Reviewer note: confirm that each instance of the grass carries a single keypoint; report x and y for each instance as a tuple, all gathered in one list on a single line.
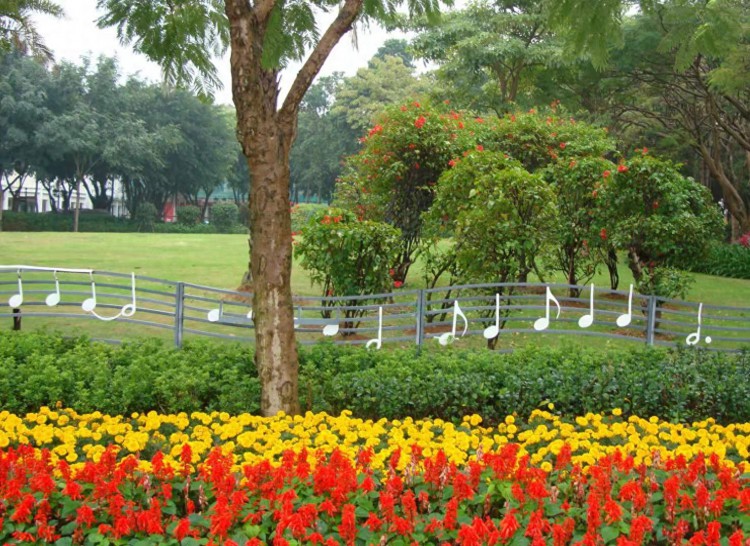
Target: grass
[(220, 261)]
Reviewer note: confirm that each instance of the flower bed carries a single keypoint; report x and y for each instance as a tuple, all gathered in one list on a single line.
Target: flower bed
[(498, 498), (218, 479), (77, 437)]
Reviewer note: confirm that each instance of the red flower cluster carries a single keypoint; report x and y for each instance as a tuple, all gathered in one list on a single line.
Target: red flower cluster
[(331, 219), (498, 499), (419, 122)]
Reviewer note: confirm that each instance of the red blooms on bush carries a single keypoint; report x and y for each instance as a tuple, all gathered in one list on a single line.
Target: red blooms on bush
[(344, 502), (419, 122), (622, 168)]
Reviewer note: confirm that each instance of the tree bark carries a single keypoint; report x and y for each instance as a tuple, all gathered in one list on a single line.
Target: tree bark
[(77, 209), (266, 135)]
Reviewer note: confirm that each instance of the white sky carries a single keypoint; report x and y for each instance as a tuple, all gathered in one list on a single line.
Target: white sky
[(77, 35)]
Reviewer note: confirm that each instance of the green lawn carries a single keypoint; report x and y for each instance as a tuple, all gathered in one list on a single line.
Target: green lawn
[(220, 261)]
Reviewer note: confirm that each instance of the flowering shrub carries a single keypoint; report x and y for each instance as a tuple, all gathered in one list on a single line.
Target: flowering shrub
[(658, 216), (347, 256), (76, 438), (393, 177), (498, 498)]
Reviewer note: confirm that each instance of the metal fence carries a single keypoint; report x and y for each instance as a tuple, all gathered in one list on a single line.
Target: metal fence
[(114, 306)]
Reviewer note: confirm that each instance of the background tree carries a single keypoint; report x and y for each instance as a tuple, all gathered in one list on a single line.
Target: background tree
[(324, 138), (263, 36), (17, 29), (22, 110), (490, 53), (384, 82), (658, 217)]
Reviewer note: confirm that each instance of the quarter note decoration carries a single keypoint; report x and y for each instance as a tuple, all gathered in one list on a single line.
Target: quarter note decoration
[(587, 320), (54, 298), (378, 341), (214, 315), (695, 337), (449, 337), (493, 331), (331, 327), (623, 320), (16, 300), (543, 323), (89, 304)]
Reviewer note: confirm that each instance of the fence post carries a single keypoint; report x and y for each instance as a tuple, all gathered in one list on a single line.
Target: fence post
[(179, 309), (420, 320), (650, 320)]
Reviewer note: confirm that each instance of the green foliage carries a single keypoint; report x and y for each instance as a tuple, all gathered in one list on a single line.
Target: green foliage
[(346, 256), (540, 139), (578, 247), (145, 217), (658, 216), (302, 212), (723, 260), (501, 216), (225, 217), (188, 215), (393, 177), (89, 221), (681, 385)]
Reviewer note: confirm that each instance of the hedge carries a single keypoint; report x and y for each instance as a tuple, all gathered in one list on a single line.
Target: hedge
[(39, 369)]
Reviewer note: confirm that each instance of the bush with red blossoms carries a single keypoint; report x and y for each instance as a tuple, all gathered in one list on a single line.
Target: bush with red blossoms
[(498, 499)]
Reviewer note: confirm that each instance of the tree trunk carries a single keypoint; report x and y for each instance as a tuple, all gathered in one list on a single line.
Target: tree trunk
[(271, 269), (2, 203), (77, 209)]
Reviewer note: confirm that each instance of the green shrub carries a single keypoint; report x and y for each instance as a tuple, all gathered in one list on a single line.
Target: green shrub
[(225, 216), (188, 215), (681, 385), (302, 213), (89, 221), (723, 260), (145, 217)]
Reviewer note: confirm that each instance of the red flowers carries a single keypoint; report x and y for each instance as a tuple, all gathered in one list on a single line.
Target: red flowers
[(346, 502), (419, 122), (621, 168), (606, 174), (603, 234), (398, 284), (375, 130), (562, 145)]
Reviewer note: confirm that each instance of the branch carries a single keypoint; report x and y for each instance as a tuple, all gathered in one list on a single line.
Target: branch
[(340, 26)]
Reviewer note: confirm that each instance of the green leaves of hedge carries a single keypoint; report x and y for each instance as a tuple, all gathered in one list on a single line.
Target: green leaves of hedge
[(683, 385)]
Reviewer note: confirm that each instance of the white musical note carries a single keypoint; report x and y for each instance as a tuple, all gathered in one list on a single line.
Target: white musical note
[(624, 320), (16, 300), (332, 326), (543, 323), (89, 304), (214, 315), (250, 315), (493, 331), (54, 298), (587, 320), (449, 337), (127, 310), (378, 342), (695, 337)]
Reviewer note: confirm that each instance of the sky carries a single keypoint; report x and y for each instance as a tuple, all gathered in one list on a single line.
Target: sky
[(76, 36)]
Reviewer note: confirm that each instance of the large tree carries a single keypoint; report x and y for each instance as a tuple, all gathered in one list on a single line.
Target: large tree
[(264, 35), (17, 28)]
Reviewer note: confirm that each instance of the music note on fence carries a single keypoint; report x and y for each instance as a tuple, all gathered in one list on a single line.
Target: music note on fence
[(587, 320), (378, 341), (493, 331), (215, 315), (16, 300), (89, 304), (542, 323), (127, 310), (624, 320), (449, 337), (54, 298), (331, 327), (695, 337)]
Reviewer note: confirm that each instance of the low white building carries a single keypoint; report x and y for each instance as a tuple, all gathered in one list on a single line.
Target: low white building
[(33, 197)]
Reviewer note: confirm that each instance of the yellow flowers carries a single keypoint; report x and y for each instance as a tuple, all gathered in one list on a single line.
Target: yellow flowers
[(77, 437)]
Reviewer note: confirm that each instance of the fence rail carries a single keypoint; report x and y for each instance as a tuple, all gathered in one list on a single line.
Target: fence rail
[(48, 297)]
